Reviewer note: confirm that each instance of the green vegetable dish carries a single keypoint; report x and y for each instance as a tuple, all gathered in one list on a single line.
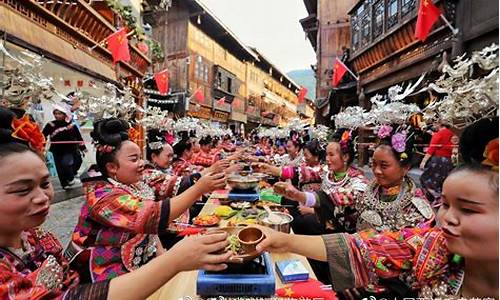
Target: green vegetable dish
[(234, 244)]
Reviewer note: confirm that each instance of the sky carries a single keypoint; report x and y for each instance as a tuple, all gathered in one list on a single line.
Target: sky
[(272, 26)]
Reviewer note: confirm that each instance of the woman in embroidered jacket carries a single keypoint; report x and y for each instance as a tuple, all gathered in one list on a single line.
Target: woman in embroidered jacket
[(459, 258), (118, 225), (178, 176), (205, 157), (31, 262), (335, 203), (392, 200), (308, 175)]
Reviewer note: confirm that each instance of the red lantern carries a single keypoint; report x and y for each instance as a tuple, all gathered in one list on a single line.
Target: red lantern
[(143, 47)]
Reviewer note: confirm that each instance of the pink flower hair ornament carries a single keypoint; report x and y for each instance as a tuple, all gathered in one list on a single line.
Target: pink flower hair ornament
[(105, 148), (384, 131), (398, 142)]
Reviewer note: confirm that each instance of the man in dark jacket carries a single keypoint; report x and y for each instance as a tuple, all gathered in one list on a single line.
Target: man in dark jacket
[(66, 144)]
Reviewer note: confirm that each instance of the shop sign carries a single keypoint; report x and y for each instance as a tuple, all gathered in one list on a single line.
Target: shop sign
[(237, 116), (220, 116), (202, 112), (267, 121), (253, 118)]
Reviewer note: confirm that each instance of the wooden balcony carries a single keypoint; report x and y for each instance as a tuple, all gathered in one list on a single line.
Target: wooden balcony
[(76, 22), (383, 37)]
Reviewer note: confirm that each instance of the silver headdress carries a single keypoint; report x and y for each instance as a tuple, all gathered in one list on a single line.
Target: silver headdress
[(467, 99), (110, 104), (156, 118)]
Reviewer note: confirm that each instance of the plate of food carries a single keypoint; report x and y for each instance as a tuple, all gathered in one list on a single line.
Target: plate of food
[(260, 176), (206, 220), (271, 205), (240, 205), (251, 213)]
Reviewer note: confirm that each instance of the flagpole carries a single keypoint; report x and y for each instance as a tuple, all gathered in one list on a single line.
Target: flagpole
[(191, 97), (349, 70), (102, 43), (453, 29)]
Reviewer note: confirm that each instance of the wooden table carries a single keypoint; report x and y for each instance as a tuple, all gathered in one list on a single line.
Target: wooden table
[(183, 285)]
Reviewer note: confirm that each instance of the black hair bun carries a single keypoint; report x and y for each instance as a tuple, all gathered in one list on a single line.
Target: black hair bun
[(206, 140), (475, 137), (6, 116), (155, 135), (111, 131)]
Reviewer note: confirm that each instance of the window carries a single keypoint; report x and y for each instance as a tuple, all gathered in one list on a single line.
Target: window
[(219, 80), (365, 27), (229, 85), (205, 75), (201, 69), (407, 6), (392, 13), (378, 18), (355, 32)]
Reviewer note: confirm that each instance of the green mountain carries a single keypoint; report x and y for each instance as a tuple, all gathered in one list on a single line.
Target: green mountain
[(305, 78)]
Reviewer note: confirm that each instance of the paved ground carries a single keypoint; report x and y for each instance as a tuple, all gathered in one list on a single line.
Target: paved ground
[(63, 217)]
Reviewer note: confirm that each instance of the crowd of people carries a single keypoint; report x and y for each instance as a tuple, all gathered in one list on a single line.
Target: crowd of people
[(381, 237)]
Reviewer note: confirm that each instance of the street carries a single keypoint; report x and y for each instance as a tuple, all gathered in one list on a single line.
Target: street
[(62, 218)]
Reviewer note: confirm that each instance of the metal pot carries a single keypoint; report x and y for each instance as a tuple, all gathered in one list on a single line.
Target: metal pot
[(242, 182), (284, 226)]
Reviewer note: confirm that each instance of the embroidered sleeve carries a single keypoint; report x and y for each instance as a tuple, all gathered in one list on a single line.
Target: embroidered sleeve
[(163, 185), (362, 258), (301, 175), (15, 286), (336, 215), (95, 291), (203, 159), (120, 209), (182, 168)]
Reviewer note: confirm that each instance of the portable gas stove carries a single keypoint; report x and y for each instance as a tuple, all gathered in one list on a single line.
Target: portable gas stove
[(254, 278), (249, 195)]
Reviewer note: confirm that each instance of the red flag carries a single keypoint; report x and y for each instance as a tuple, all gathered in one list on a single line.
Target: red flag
[(198, 96), (161, 79), (118, 45), (428, 14), (302, 94), (221, 101), (311, 289), (339, 70)]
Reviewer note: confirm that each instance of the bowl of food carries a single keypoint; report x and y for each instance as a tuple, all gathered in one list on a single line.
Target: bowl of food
[(280, 187), (280, 222), (241, 252), (242, 182), (260, 176), (249, 237)]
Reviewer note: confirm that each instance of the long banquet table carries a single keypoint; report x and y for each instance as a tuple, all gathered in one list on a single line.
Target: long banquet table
[(183, 285)]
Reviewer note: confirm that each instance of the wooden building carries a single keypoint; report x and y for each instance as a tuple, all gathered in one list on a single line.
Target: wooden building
[(202, 54), (385, 52), (327, 28), (68, 34)]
